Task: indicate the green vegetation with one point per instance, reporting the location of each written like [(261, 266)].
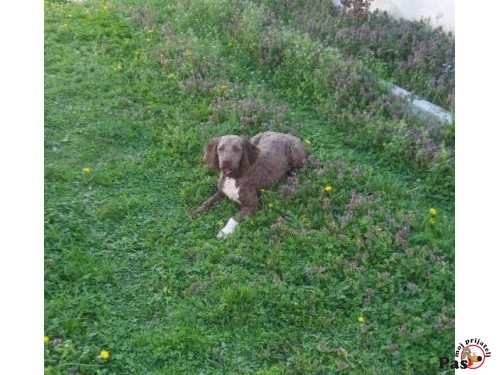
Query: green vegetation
[(344, 268), (408, 53)]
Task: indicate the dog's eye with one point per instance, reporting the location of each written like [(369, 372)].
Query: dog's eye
[(236, 149), (221, 148)]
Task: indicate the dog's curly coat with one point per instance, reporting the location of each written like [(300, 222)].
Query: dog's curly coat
[(248, 166)]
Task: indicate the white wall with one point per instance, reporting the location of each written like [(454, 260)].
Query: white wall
[(440, 12)]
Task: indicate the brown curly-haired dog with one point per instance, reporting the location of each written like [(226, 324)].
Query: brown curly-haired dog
[(247, 166)]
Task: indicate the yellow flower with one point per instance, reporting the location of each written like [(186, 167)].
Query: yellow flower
[(262, 190), (270, 205), (188, 53), (86, 170), (433, 211), (361, 319), (104, 354), (151, 31), (171, 76), (307, 142), (328, 188), (46, 339), (432, 221)]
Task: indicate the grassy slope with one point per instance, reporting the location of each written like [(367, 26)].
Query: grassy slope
[(134, 95), (405, 52)]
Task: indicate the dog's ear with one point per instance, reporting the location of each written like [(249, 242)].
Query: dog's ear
[(465, 353), (211, 158), (250, 154)]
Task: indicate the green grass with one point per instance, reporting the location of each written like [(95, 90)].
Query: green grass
[(133, 92), (408, 53)]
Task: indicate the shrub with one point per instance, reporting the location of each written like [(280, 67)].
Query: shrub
[(409, 53)]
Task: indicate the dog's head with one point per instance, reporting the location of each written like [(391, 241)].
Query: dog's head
[(230, 154), (467, 354)]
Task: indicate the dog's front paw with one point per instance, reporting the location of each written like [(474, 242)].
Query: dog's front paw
[(196, 212), (228, 229)]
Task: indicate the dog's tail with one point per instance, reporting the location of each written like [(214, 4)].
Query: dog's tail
[(296, 153)]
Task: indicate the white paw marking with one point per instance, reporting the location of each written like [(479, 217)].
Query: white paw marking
[(228, 229)]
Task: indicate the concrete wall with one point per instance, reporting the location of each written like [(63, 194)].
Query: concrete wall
[(440, 12)]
